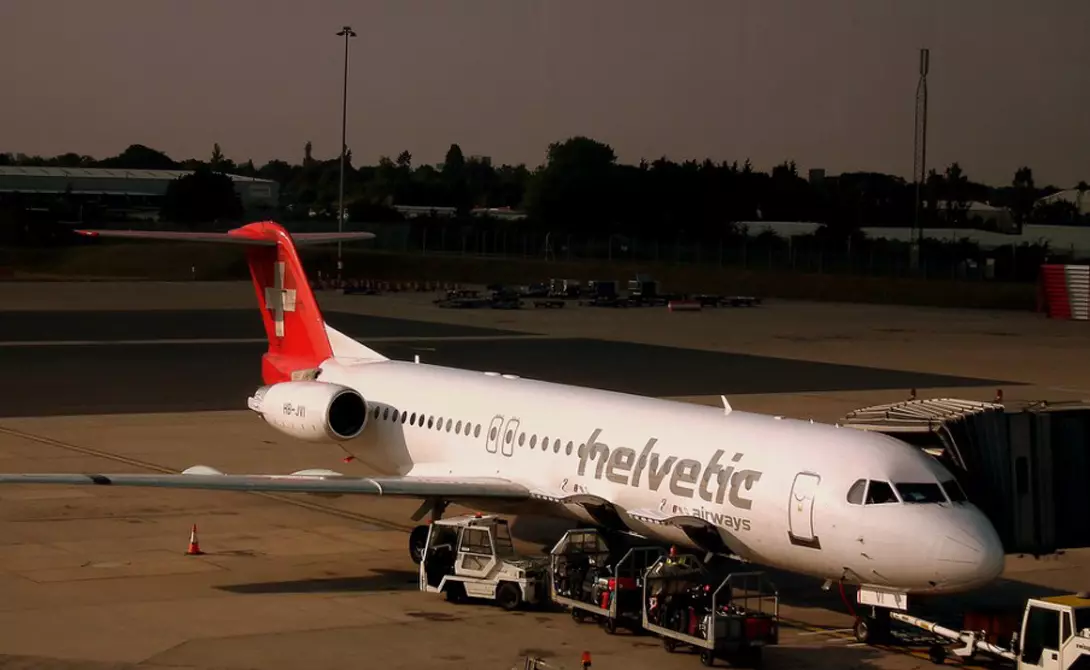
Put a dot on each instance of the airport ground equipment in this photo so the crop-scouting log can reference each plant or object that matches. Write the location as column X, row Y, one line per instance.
column 472, row 556
column 733, row 618
column 596, row 581
column 1054, row 634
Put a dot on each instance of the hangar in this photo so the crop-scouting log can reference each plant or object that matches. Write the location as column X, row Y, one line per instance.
column 123, row 189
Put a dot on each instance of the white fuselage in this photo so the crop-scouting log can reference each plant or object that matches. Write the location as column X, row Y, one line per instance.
column 775, row 490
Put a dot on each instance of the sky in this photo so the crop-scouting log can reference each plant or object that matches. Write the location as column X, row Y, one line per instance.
column 827, row 83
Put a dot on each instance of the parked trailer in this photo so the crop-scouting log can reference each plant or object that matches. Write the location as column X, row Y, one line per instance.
column 1054, row 634
column 587, row 577
column 681, row 601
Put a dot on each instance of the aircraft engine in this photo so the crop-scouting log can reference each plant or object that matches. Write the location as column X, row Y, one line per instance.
column 311, row 410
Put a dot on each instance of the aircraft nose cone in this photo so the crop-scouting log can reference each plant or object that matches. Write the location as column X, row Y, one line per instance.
column 975, row 556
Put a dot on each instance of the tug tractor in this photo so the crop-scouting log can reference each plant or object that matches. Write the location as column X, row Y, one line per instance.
column 1054, row 634
column 472, row 557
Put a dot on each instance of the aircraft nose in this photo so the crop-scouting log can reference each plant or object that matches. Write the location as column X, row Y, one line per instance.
column 973, row 555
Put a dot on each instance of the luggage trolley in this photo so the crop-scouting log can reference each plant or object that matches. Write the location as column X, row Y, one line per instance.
column 586, row 578
column 681, row 600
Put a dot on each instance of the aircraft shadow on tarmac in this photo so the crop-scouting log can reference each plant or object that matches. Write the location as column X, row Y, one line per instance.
column 378, row 580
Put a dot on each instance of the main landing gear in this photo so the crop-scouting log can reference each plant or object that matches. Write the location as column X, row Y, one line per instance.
column 418, row 538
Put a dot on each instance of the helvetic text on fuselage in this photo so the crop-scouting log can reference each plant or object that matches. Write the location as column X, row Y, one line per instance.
column 684, row 477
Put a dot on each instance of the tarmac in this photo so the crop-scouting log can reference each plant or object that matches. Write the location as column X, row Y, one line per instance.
column 154, row 377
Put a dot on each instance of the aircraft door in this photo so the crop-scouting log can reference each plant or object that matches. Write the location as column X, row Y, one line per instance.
column 1040, row 640
column 510, row 434
column 475, row 555
column 800, row 516
column 494, row 435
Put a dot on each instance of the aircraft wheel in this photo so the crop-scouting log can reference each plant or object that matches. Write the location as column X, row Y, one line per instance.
column 417, row 539
column 937, row 654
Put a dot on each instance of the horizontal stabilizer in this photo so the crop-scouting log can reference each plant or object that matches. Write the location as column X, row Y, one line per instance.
column 237, row 236
column 203, row 477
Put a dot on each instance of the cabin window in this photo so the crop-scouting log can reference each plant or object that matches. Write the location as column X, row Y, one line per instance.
column 412, row 421
column 449, row 424
column 469, row 427
column 920, row 492
column 431, row 421
column 522, row 439
column 568, row 448
column 395, row 416
column 377, row 410
column 954, row 491
column 1042, row 633
column 438, row 424
column 492, row 433
column 477, row 430
column 386, row 414
column 458, row 427
column 1082, row 618
column 507, row 438
column 544, row 444
column 533, row 441
column 475, row 541
column 880, row 493
column 855, row 493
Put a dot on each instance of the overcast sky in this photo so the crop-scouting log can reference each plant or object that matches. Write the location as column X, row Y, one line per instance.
column 828, row 83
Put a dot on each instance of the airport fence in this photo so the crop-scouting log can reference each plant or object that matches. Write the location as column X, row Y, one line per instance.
column 962, row 260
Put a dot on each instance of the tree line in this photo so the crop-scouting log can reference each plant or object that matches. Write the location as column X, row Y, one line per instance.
column 581, row 188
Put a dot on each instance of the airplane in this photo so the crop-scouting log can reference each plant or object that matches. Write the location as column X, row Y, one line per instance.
column 835, row 503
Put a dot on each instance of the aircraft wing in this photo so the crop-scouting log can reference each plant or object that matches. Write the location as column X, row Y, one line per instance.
column 312, row 481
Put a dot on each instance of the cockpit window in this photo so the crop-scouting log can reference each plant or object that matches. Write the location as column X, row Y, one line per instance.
column 855, row 493
column 880, row 493
column 920, row 492
column 954, row 491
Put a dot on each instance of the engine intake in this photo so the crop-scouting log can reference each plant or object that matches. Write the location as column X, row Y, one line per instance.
column 311, row 410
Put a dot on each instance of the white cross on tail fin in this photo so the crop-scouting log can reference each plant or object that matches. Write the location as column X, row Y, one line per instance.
column 279, row 299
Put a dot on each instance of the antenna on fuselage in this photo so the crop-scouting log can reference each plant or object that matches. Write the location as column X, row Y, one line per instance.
column 726, row 405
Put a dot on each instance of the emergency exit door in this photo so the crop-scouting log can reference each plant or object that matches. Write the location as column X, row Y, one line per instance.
column 800, row 511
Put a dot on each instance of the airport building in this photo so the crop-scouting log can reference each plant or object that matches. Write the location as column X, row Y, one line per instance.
column 137, row 192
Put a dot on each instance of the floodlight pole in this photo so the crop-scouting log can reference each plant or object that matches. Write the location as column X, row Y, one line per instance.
column 919, row 169
column 347, row 33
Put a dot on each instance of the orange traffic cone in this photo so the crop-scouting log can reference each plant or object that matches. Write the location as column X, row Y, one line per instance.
column 194, row 545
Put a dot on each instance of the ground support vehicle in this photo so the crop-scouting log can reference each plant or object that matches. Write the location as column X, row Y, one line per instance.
column 732, row 619
column 597, row 582
column 1054, row 634
column 472, row 557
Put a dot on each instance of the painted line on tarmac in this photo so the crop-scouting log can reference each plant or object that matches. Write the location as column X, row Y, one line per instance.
column 261, row 340
column 849, row 636
column 118, row 458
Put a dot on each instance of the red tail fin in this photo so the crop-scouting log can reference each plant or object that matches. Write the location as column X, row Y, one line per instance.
column 293, row 321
